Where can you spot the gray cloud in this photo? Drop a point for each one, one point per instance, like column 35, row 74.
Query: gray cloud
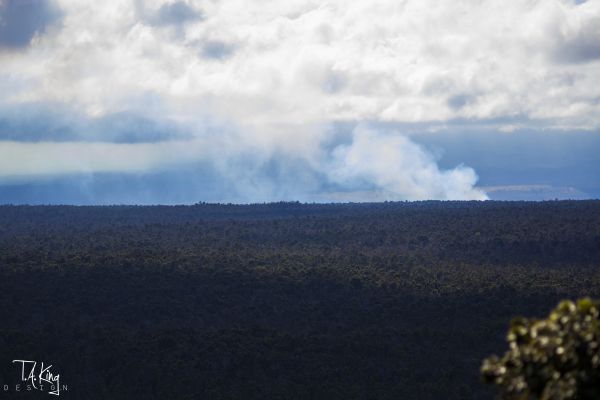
column 584, row 48
column 458, row 101
column 335, row 82
column 22, row 20
column 176, row 13
column 579, row 41
column 56, row 123
column 217, row 50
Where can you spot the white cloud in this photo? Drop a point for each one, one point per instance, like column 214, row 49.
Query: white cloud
column 23, row 160
column 281, row 71
column 315, row 61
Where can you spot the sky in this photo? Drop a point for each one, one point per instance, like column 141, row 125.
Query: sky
column 162, row 101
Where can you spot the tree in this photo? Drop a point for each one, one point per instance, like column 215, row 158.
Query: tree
column 557, row 358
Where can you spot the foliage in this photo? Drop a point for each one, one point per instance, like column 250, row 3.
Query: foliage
column 557, row 358
column 283, row 301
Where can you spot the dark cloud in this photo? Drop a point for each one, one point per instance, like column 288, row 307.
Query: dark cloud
column 217, row 50
column 22, row 20
column 460, row 100
column 187, row 185
column 580, row 51
column 201, row 181
column 131, row 128
column 47, row 122
column 335, row 82
column 176, row 13
column 581, row 47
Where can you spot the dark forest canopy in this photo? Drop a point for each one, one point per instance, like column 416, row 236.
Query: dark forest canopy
column 284, row 300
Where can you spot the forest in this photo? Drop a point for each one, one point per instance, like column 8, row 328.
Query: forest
column 394, row 300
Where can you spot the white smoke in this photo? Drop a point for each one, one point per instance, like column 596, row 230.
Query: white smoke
column 374, row 166
column 400, row 169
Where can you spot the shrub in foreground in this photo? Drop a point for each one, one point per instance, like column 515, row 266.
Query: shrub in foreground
column 557, row 358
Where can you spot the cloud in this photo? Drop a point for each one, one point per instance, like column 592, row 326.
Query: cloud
column 57, row 123
column 579, row 38
column 23, row 161
column 394, row 167
column 289, row 71
column 413, row 61
column 217, row 50
column 22, row 20
column 459, row 101
column 172, row 13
